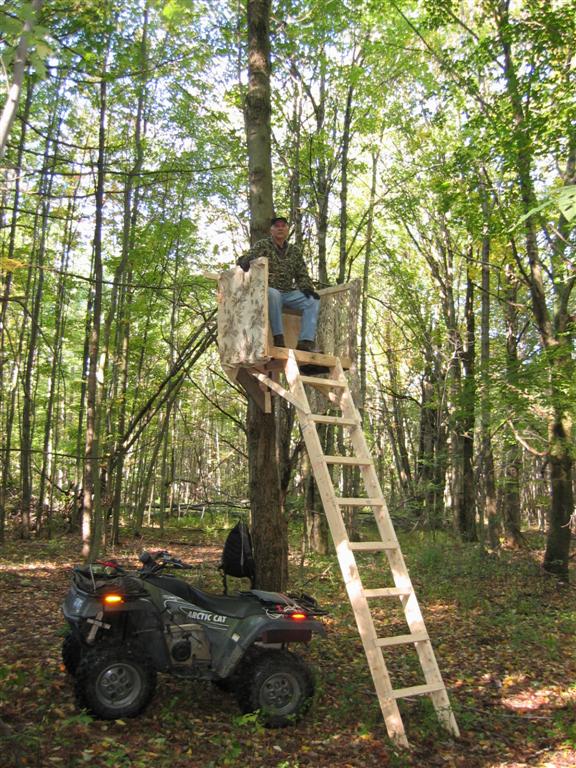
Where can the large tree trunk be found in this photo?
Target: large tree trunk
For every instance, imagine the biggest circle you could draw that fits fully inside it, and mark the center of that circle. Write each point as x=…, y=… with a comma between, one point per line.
x=270, y=534
x=555, y=327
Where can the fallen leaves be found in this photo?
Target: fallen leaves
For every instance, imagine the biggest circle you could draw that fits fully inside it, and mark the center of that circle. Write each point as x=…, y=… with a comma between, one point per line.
x=512, y=697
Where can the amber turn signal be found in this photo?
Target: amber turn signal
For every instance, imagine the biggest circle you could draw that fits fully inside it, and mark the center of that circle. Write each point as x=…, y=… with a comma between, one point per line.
x=112, y=599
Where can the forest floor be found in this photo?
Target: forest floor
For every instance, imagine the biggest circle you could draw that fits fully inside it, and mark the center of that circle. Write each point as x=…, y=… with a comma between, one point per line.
x=503, y=633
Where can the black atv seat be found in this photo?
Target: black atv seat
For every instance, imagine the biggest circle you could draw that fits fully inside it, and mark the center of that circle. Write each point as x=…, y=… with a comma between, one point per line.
x=238, y=607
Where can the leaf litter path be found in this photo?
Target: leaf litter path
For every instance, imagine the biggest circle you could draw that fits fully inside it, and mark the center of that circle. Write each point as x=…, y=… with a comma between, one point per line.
x=505, y=644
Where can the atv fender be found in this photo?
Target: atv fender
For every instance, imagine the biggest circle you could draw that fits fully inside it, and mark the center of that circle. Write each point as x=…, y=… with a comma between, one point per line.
x=280, y=630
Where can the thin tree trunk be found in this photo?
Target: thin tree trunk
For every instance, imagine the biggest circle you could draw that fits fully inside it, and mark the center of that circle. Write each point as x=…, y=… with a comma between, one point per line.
x=11, y=105
x=343, y=242
x=26, y=443
x=512, y=470
x=10, y=401
x=467, y=507
x=488, y=505
x=366, y=283
x=91, y=506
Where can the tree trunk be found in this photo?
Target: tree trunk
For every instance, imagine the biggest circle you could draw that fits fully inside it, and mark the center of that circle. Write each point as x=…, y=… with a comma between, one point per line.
x=487, y=503
x=9, y=110
x=26, y=444
x=512, y=471
x=467, y=505
x=5, y=390
x=343, y=243
x=57, y=343
x=91, y=506
x=555, y=329
x=270, y=534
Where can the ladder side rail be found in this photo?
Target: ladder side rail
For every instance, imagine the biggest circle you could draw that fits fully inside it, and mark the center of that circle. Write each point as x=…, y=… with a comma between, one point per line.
x=402, y=580
x=347, y=562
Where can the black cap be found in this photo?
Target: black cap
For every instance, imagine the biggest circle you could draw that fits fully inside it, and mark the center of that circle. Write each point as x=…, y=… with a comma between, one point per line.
x=275, y=219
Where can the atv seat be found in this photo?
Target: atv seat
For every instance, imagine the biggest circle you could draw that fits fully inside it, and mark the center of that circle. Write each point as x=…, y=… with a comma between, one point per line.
x=238, y=607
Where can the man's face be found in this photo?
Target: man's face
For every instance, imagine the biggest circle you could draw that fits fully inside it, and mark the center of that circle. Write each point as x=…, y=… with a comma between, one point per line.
x=279, y=231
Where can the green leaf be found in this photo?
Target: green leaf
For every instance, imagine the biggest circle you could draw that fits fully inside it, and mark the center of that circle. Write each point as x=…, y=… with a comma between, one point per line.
x=565, y=198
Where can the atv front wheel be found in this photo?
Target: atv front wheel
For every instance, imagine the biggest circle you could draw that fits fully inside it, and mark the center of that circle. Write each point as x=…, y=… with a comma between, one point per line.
x=279, y=685
x=71, y=653
x=113, y=683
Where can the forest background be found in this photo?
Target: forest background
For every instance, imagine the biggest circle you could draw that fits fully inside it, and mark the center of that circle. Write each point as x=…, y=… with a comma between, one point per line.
x=427, y=149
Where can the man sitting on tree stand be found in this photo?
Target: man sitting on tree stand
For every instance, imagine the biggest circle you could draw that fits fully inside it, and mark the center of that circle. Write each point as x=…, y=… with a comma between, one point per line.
x=289, y=283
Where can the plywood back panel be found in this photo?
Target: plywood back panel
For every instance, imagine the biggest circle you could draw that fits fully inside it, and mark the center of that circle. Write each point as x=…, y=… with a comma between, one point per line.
x=243, y=314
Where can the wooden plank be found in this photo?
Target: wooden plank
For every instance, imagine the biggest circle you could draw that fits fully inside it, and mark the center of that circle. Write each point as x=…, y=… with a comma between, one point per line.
x=280, y=390
x=416, y=690
x=353, y=501
x=351, y=460
x=372, y=546
x=335, y=289
x=386, y=592
x=417, y=637
x=315, y=381
x=322, y=419
x=319, y=358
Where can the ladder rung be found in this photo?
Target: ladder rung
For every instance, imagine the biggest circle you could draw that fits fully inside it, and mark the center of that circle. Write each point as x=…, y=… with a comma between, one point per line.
x=334, y=420
x=348, y=460
x=372, y=546
x=388, y=592
x=317, y=382
x=417, y=690
x=417, y=637
x=358, y=502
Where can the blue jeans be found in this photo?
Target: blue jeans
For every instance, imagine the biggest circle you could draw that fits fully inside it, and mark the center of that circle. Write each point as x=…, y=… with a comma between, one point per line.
x=294, y=300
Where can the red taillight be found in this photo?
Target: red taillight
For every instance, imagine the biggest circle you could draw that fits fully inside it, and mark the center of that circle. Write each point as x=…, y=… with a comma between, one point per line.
x=113, y=599
x=298, y=616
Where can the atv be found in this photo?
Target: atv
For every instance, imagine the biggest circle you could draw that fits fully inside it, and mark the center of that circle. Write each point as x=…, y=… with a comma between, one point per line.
x=126, y=626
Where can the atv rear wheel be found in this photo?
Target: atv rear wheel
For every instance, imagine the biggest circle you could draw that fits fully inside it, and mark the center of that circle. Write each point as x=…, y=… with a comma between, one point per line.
x=113, y=683
x=71, y=653
x=279, y=685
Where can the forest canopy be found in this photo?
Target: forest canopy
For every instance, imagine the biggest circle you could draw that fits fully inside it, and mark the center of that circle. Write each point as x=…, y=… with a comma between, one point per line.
x=428, y=149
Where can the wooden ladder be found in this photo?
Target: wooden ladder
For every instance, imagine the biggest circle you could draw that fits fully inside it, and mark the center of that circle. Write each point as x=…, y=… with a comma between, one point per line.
x=336, y=389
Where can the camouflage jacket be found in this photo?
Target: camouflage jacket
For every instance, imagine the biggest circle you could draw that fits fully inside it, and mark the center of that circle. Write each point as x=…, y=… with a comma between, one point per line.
x=286, y=267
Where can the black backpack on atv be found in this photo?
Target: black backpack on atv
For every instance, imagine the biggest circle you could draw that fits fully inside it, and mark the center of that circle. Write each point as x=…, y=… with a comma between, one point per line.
x=237, y=556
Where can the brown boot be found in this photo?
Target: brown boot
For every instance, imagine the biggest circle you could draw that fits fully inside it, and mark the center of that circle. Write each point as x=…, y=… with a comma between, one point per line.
x=304, y=345
x=279, y=340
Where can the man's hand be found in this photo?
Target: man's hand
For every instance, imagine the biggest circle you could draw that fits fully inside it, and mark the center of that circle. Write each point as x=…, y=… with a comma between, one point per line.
x=311, y=292
x=245, y=265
